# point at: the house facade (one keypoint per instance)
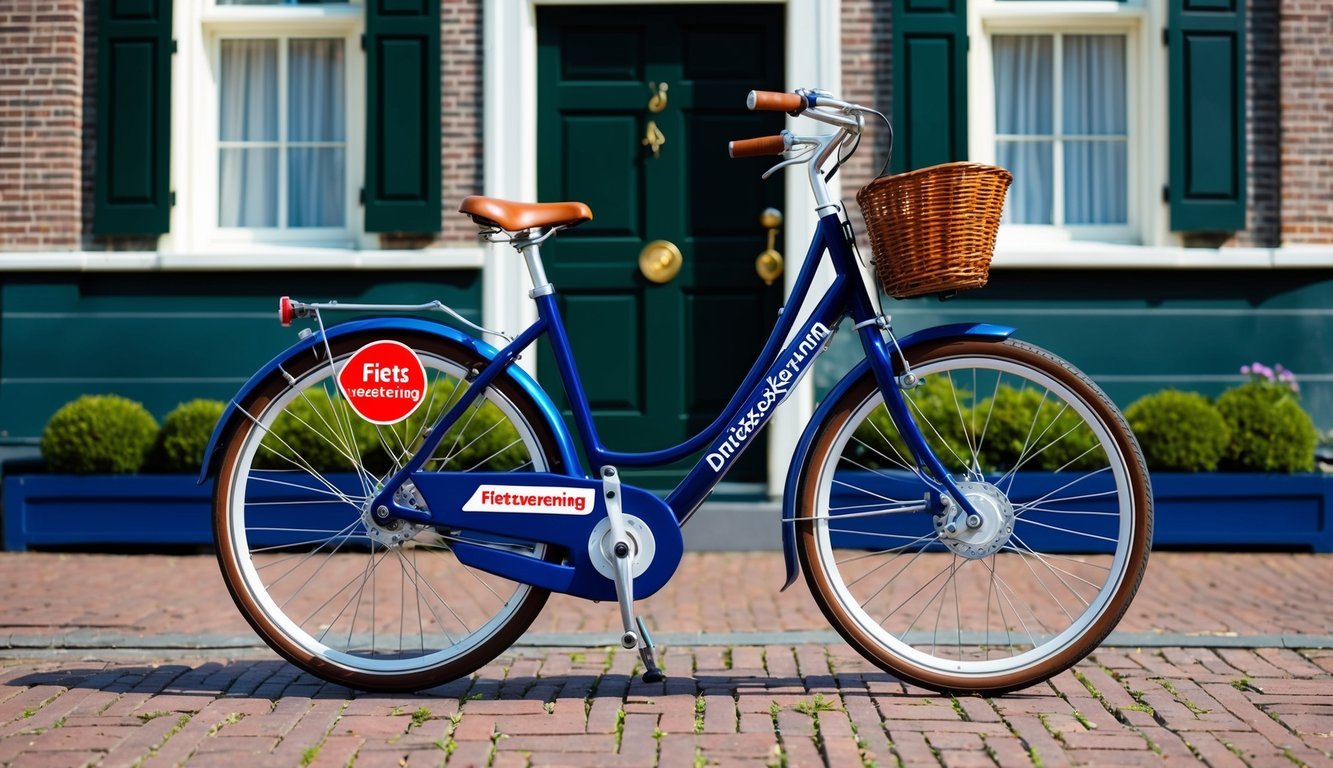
(167, 169)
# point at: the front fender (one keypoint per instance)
(953, 332)
(232, 414)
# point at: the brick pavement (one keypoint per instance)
(1201, 701)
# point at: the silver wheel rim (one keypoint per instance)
(1043, 644)
(432, 650)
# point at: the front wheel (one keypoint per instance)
(1029, 585)
(381, 605)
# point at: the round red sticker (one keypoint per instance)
(384, 382)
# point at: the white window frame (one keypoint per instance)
(1146, 122)
(201, 28)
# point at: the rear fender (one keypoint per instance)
(232, 415)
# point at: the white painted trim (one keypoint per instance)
(272, 259)
(1108, 256)
(509, 135)
(509, 142)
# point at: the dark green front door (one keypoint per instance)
(659, 360)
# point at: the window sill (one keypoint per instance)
(271, 259)
(1075, 255)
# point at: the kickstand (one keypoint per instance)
(651, 672)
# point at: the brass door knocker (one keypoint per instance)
(659, 100)
(769, 264)
(653, 138)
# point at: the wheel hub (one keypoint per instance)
(392, 532)
(984, 533)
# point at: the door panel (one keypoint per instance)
(659, 361)
(616, 199)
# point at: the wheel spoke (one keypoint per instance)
(344, 596)
(1035, 447)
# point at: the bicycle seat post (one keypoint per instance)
(531, 250)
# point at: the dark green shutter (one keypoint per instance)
(929, 82)
(1207, 52)
(131, 188)
(402, 191)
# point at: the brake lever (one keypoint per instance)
(801, 158)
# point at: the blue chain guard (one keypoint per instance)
(542, 507)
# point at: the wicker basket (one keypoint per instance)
(933, 230)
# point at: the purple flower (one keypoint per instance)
(1278, 375)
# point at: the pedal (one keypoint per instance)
(648, 652)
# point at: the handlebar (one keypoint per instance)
(817, 105)
(760, 147)
(848, 118)
(771, 101)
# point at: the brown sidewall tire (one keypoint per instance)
(469, 662)
(1136, 562)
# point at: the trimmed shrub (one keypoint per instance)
(483, 439)
(98, 434)
(1270, 432)
(317, 433)
(184, 436)
(1034, 432)
(1179, 431)
(939, 409)
(325, 434)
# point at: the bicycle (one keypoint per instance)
(377, 464)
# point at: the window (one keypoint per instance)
(1060, 126)
(282, 147)
(1061, 96)
(272, 122)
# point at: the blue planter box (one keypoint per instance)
(1223, 509)
(63, 510)
(66, 510)
(1217, 510)
(1211, 510)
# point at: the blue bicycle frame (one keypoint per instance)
(770, 380)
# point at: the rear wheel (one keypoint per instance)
(1036, 579)
(330, 588)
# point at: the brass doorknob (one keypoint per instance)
(660, 261)
(769, 264)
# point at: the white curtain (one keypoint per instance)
(315, 187)
(1024, 80)
(1092, 104)
(248, 175)
(250, 167)
(1096, 183)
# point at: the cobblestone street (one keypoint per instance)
(1223, 660)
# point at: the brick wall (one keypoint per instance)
(867, 78)
(1307, 121)
(1263, 211)
(41, 59)
(461, 105)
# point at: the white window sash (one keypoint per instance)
(1145, 108)
(200, 27)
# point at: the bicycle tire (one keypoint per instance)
(300, 454)
(1093, 493)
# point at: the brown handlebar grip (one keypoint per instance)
(760, 147)
(771, 101)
